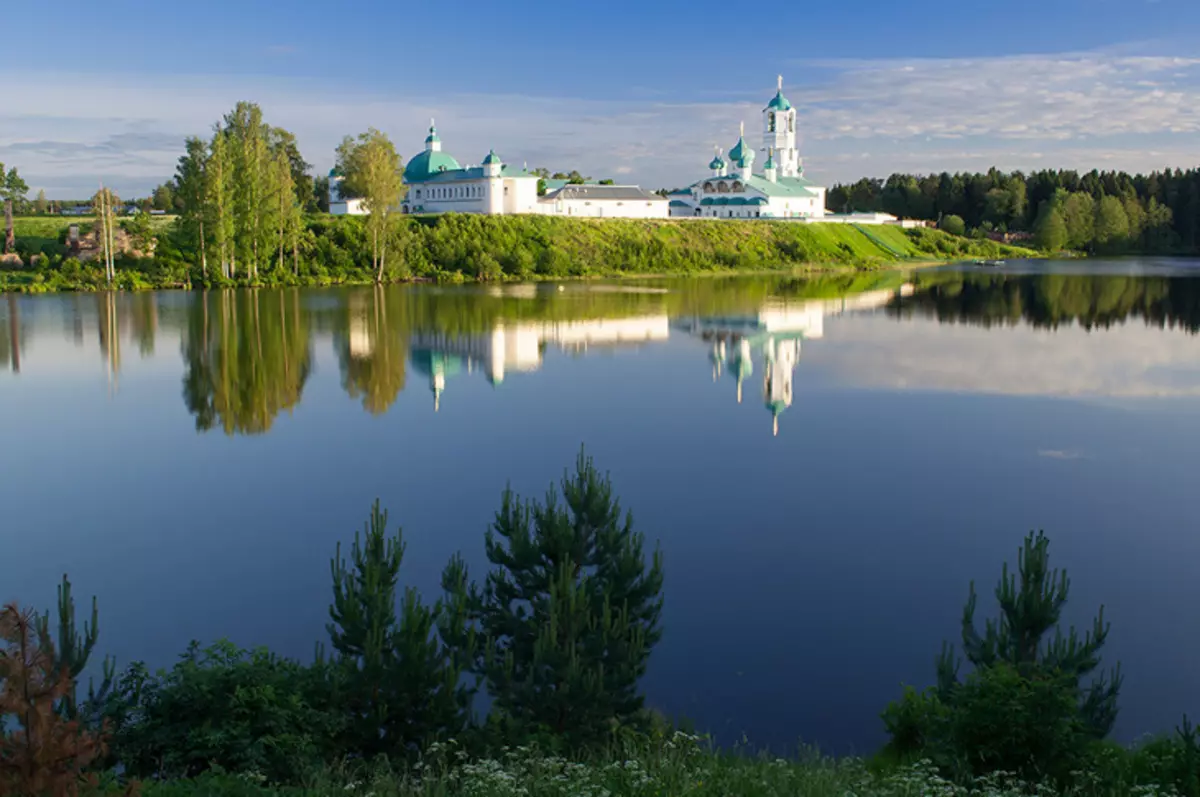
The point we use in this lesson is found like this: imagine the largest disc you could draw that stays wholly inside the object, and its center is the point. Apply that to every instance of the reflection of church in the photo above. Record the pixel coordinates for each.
(775, 333)
(520, 347)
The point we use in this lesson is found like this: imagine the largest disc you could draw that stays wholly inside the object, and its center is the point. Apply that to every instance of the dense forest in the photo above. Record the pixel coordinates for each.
(1094, 212)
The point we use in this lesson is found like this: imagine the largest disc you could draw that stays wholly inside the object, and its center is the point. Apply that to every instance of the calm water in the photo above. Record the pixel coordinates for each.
(826, 465)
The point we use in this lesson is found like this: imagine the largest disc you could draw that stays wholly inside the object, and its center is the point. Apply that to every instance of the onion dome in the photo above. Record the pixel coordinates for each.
(491, 158)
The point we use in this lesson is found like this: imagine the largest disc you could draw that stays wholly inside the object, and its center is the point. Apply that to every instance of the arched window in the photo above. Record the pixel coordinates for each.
(770, 121)
(708, 188)
(737, 185)
(722, 188)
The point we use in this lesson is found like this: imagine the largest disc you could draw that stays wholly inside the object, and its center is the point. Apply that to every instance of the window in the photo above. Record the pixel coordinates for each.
(737, 185)
(708, 188)
(722, 188)
(771, 122)
(791, 121)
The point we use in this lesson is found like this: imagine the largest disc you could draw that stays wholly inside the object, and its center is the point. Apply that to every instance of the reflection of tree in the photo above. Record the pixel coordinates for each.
(144, 320)
(372, 348)
(10, 336)
(108, 320)
(247, 358)
(1048, 300)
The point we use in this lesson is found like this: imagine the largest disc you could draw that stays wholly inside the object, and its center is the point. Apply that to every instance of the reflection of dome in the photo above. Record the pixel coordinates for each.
(428, 163)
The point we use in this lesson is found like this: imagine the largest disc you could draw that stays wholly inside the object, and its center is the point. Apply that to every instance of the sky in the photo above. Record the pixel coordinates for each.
(637, 91)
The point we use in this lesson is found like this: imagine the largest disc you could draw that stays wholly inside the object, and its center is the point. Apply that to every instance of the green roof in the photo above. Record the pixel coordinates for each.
(716, 163)
(747, 159)
(428, 164)
(473, 173)
(491, 158)
(770, 164)
(779, 102)
(784, 186)
(336, 172)
(739, 150)
(433, 136)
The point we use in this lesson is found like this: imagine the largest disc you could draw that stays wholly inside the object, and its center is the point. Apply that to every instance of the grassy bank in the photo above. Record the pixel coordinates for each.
(451, 248)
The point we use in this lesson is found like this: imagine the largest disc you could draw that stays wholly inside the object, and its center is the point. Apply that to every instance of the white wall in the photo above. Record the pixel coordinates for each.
(465, 196)
(607, 208)
(351, 207)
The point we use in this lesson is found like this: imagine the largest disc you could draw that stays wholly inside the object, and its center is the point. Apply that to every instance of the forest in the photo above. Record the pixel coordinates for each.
(1096, 212)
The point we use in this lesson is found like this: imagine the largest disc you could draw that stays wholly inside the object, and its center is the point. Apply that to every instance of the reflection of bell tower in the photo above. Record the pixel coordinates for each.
(781, 358)
(717, 356)
(742, 366)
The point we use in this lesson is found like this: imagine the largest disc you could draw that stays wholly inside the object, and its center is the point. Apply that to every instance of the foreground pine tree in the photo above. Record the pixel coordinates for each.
(1031, 604)
(569, 612)
(400, 687)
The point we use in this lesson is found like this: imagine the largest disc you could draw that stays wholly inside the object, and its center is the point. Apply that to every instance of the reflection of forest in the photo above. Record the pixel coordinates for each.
(247, 356)
(1048, 300)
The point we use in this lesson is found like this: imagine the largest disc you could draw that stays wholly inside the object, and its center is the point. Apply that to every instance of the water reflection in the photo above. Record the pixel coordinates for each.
(247, 356)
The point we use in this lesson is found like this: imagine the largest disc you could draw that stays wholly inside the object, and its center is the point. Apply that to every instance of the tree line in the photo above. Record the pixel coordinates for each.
(1094, 211)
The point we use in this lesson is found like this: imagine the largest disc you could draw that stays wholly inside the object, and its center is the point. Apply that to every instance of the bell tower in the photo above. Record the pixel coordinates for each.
(779, 133)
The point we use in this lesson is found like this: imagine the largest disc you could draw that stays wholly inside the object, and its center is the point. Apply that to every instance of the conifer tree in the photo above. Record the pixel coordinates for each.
(1031, 603)
(402, 690)
(73, 651)
(570, 610)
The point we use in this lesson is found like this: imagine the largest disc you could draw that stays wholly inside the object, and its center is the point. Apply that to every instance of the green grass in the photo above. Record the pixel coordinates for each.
(679, 766)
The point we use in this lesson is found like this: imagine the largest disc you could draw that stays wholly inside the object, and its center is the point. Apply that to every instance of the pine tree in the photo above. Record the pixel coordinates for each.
(73, 652)
(570, 610)
(402, 688)
(1030, 607)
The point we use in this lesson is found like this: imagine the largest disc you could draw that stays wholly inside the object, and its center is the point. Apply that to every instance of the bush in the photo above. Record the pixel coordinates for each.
(953, 225)
(241, 711)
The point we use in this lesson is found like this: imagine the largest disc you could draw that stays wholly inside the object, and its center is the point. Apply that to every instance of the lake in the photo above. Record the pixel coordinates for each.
(826, 464)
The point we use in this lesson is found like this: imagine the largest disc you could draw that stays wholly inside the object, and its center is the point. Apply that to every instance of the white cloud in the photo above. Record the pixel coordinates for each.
(867, 117)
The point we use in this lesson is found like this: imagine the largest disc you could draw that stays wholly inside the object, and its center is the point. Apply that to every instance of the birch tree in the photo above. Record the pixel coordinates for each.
(104, 204)
(191, 179)
(219, 202)
(372, 170)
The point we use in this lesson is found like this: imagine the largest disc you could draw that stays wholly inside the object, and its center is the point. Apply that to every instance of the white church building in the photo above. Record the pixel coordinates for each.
(436, 183)
(734, 190)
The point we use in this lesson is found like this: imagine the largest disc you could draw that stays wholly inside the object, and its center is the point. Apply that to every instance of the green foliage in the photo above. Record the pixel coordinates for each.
(401, 689)
(1024, 708)
(141, 231)
(225, 708)
(953, 224)
(570, 611)
(1050, 230)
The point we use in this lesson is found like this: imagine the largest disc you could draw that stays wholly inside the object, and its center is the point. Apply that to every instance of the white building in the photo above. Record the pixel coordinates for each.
(735, 191)
(604, 201)
(436, 183)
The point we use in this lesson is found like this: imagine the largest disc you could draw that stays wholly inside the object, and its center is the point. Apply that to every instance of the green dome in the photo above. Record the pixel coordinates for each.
(491, 158)
(747, 159)
(428, 163)
(336, 172)
(433, 136)
(716, 163)
(770, 164)
(739, 150)
(779, 102)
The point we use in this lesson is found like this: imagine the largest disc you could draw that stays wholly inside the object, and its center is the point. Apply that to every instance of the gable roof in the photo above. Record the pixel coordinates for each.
(604, 192)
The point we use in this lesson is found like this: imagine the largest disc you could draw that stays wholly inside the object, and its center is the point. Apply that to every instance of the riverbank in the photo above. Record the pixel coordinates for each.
(462, 248)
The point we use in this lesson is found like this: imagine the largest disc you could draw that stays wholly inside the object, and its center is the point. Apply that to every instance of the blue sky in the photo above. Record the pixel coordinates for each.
(636, 91)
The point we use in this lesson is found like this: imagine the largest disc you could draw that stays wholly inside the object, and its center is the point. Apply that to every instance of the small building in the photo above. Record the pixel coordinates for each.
(339, 204)
(438, 184)
(604, 201)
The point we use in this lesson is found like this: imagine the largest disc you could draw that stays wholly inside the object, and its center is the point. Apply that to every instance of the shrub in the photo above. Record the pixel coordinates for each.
(953, 225)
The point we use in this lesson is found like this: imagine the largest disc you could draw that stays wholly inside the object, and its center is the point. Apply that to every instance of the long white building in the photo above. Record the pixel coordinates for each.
(734, 190)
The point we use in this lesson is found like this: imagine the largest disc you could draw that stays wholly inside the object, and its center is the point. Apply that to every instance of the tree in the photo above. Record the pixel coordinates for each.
(140, 229)
(218, 204)
(104, 205)
(953, 224)
(402, 690)
(570, 609)
(48, 753)
(1031, 605)
(40, 205)
(1112, 224)
(192, 192)
(1079, 216)
(12, 189)
(1050, 231)
(73, 651)
(372, 170)
(163, 197)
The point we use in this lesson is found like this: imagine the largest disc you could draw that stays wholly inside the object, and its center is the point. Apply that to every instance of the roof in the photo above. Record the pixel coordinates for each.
(679, 203)
(784, 186)
(716, 163)
(427, 164)
(779, 102)
(682, 191)
(604, 192)
(739, 150)
(433, 136)
(472, 173)
(491, 158)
